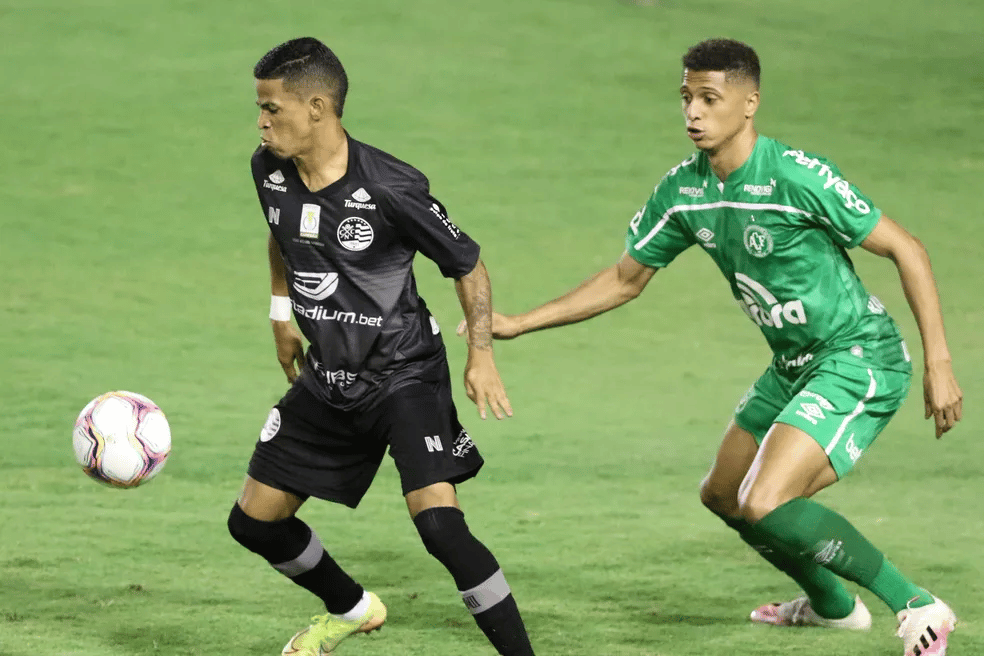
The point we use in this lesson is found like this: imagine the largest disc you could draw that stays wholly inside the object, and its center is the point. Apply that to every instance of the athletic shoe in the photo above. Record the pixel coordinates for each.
(798, 612)
(924, 630)
(321, 638)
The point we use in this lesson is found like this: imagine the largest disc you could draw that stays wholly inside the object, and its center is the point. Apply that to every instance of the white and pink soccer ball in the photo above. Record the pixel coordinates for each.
(121, 439)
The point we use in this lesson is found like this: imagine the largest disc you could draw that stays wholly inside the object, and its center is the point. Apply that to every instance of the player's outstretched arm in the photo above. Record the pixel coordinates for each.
(604, 291)
(941, 393)
(482, 381)
(290, 348)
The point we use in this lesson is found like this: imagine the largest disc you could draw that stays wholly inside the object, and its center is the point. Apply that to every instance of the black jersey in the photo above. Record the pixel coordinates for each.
(348, 251)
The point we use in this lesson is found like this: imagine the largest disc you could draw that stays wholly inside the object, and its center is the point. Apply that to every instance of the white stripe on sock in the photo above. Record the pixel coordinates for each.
(487, 594)
(307, 561)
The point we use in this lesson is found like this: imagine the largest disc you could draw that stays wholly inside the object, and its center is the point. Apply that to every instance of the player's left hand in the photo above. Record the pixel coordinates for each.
(942, 396)
(484, 386)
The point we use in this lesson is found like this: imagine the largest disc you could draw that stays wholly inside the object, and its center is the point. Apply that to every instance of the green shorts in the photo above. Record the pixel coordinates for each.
(839, 404)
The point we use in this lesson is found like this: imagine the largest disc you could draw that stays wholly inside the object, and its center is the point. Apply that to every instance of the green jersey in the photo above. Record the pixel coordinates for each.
(778, 228)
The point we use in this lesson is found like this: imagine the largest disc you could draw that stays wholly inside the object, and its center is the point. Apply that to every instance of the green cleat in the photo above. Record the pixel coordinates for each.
(321, 638)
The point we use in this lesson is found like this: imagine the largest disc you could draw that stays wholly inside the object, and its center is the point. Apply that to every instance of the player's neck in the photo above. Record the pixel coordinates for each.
(731, 155)
(326, 161)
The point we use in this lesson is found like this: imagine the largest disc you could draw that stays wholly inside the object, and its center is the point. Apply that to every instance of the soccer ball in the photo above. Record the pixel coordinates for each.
(121, 439)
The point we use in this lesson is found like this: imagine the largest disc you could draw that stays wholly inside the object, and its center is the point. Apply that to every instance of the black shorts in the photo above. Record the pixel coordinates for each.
(311, 449)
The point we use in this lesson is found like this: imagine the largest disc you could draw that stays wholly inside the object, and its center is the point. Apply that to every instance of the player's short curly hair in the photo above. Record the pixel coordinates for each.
(305, 62)
(736, 59)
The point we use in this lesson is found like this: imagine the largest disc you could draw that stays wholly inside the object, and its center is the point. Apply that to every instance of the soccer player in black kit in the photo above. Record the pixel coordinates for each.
(345, 222)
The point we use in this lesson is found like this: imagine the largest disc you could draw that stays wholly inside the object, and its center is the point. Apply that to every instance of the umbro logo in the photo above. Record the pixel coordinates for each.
(706, 236)
(275, 181)
(361, 197)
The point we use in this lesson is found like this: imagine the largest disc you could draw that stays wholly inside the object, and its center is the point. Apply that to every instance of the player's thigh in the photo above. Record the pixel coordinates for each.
(427, 443)
(436, 495)
(788, 464)
(754, 415)
(266, 503)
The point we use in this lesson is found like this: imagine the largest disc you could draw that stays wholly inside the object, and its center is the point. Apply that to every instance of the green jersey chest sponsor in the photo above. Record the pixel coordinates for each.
(778, 229)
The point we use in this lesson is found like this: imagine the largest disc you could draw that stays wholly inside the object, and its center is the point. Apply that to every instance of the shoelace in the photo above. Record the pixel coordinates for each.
(799, 611)
(903, 626)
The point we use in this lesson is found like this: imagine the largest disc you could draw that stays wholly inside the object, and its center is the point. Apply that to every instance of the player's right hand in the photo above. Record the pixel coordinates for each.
(504, 326)
(942, 396)
(290, 348)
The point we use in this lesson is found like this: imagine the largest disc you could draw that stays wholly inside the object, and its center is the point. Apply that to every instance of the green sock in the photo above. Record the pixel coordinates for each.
(816, 532)
(896, 590)
(828, 596)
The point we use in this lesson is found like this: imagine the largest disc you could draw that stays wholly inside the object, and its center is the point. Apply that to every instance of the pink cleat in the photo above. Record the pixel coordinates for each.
(798, 612)
(924, 630)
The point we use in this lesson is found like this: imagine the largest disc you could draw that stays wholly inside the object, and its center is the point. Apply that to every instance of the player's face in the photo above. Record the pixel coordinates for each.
(715, 109)
(285, 120)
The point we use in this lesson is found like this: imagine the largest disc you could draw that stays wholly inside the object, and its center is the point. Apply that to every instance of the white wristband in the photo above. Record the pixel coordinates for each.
(280, 308)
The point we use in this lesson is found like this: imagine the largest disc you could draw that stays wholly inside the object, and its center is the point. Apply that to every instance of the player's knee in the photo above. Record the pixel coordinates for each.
(756, 503)
(251, 533)
(241, 526)
(441, 529)
(718, 501)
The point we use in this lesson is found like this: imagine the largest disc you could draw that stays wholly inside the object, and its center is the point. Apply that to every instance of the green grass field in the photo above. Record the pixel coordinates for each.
(133, 257)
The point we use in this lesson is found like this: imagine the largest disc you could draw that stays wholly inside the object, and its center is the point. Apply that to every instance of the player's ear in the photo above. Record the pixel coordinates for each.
(320, 107)
(751, 103)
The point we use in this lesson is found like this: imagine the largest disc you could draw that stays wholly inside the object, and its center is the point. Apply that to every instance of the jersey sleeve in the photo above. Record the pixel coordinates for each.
(654, 237)
(424, 223)
(835, 204)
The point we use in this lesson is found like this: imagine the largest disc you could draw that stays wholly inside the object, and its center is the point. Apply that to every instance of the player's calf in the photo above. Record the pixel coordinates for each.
(294, 550)
(478, 577)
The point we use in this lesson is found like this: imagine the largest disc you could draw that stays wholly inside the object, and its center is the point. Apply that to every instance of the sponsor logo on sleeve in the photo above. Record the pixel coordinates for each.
(840, 185)
(636, 220)
(440, 214)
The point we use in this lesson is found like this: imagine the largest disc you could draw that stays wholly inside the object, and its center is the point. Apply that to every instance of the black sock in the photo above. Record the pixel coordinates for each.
(295, 551)
(478, 577)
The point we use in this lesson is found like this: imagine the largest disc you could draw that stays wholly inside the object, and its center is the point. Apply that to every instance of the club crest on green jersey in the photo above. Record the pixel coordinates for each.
(758, 240)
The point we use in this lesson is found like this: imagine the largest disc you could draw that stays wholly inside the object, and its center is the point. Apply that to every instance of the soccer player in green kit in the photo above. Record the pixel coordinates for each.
(778, 223)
